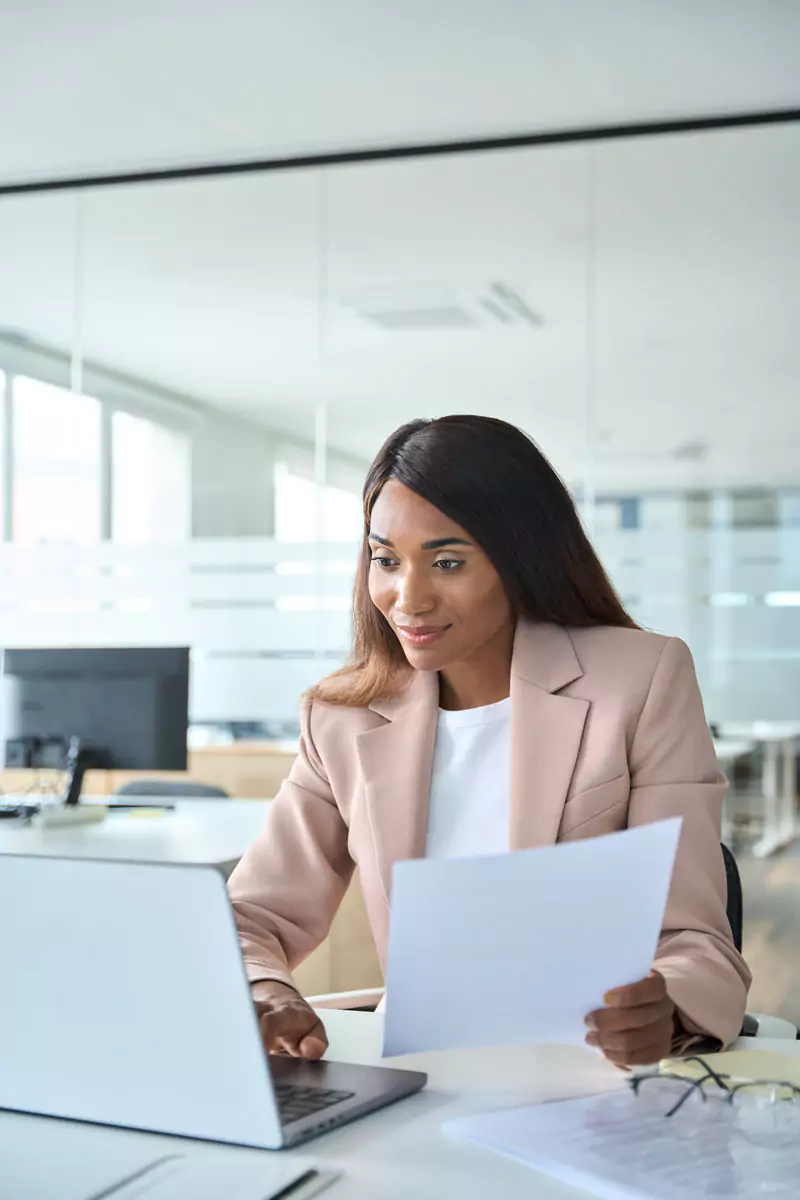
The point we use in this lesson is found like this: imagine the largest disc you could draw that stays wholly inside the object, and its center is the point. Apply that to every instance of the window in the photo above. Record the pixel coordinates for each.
(56, 478)
(150, 482)
(296, 510)
(2, 456)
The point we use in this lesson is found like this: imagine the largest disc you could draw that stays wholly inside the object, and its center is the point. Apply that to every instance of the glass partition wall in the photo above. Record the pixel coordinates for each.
(217, 361)
(196, 375)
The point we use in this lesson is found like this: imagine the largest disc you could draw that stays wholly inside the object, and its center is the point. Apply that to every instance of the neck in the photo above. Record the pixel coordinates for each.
(484, 678)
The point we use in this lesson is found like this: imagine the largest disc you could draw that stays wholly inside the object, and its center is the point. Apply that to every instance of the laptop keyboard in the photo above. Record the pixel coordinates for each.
(296, 1101)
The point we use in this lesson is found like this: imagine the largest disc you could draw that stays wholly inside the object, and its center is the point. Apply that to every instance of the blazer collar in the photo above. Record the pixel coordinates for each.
(546, 730)
(544, 655)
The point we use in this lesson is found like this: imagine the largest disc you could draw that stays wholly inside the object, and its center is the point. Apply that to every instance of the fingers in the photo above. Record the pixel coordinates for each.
(272, 1035)
(637, 1026)
(645, 1057)
(645, 991)
(313, 1046)
(633, 1040)
(295, 1032)
(612, 1020)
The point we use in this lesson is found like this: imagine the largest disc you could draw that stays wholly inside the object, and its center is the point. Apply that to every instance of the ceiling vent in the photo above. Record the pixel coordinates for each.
(414, 309)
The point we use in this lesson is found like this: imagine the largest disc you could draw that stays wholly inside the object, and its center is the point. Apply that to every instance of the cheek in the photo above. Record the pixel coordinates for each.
(482, 601)
(481, 611)
(380, 592)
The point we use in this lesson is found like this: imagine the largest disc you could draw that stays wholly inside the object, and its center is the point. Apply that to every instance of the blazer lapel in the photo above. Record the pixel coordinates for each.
(546, 732)
(396, 763)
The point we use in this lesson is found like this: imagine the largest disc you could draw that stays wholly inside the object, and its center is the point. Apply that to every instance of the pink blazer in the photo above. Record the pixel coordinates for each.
(607, 731)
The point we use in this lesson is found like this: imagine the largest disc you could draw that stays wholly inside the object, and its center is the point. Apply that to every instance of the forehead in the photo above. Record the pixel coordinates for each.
(401, 513)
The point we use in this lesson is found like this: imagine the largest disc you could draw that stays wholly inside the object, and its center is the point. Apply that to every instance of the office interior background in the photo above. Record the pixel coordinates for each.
(195, 372)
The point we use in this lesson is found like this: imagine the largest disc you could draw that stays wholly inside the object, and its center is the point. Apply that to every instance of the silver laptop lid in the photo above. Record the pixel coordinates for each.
(124, 1000)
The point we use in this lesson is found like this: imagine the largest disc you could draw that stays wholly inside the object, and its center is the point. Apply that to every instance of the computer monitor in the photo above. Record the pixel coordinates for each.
(116, 709)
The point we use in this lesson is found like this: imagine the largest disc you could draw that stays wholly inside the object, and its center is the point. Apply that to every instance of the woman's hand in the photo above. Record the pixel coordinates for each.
(638, 1024)
(288, 1025)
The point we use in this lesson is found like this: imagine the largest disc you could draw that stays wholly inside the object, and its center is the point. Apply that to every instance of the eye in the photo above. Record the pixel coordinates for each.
(383, 562)
(448, 564)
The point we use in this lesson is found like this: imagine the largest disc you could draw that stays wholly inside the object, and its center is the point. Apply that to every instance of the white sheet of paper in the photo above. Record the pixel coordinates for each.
(622, 1147)
(517, 948)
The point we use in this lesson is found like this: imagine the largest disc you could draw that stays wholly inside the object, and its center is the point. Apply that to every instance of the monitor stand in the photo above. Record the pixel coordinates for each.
(79, 759)
(70, 811)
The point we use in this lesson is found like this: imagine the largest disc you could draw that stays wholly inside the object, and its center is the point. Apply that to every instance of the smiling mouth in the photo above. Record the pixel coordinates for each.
(422, 635)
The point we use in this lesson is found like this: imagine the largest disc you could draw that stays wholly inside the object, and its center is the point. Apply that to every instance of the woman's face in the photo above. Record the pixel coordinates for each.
(433, 584)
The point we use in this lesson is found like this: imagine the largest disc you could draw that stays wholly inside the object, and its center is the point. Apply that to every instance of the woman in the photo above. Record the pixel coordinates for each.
(499, 697)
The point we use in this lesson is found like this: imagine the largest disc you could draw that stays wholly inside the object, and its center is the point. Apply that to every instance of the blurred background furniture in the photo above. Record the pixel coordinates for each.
(247, 770)
(779, 741)
(167, 789)
(729, 750)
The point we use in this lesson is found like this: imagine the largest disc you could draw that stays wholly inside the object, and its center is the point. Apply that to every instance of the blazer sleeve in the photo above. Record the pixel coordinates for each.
(287, 887)
(674, 773)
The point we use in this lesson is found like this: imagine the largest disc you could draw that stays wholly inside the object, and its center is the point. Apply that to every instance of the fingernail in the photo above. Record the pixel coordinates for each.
(591, 1039)
(590, 1022)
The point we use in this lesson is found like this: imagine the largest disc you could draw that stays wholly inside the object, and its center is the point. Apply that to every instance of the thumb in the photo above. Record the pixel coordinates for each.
(312, 1046)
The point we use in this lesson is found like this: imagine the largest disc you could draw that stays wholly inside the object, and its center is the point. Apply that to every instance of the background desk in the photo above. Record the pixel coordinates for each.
(779, 780)
(214, 833)
(728, 750)
(401, 1152)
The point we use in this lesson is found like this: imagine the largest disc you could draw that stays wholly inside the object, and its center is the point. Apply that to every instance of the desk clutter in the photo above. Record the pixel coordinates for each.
(663, 1138)
(51, 815)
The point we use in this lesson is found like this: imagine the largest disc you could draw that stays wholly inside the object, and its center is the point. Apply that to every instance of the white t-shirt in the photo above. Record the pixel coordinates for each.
(468, 811)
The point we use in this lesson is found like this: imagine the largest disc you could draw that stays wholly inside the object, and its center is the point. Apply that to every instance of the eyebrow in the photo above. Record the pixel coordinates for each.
(437, 544)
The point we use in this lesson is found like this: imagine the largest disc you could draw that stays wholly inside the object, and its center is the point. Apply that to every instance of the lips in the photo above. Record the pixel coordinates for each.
(421, 636)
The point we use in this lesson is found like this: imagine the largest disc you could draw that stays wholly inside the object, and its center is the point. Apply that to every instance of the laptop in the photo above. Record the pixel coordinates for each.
(125, 1002)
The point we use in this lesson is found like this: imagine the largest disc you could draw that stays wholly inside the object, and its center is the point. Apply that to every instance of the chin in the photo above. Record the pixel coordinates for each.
(432, 659)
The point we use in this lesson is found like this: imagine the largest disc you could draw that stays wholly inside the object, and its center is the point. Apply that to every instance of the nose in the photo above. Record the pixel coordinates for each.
(414, 593)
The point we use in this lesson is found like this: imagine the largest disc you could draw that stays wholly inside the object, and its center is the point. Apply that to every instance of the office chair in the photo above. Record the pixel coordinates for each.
(183, 788)
(735, 904)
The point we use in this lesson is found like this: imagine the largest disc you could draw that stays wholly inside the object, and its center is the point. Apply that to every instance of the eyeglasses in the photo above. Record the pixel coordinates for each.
(767, 1110)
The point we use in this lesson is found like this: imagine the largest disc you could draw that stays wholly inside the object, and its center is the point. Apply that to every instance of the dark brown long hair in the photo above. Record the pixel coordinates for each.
(492, 480)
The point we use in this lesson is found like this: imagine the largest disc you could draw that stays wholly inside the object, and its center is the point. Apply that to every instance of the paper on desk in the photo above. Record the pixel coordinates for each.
(518, 948)
(623, 1147)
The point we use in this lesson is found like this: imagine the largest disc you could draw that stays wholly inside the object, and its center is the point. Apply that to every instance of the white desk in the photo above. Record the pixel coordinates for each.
(401, 1152)
(779, 784)
(212, 832)
(727, 751)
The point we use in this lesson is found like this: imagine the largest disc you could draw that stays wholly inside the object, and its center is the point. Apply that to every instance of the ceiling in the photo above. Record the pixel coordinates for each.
(664, 270)
(94, 86)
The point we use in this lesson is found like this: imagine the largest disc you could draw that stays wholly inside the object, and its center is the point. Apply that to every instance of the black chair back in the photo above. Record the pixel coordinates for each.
(734, 905)
(179, 789)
